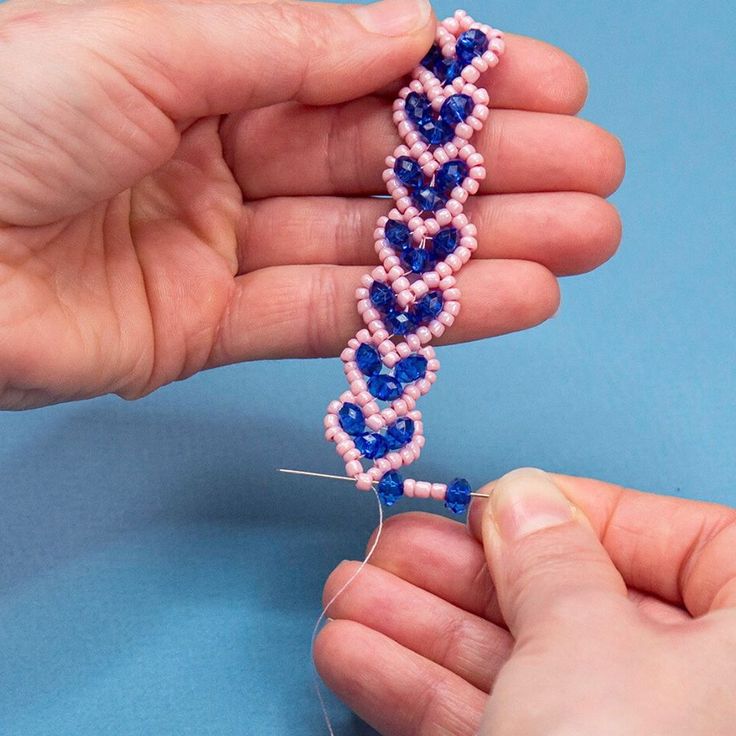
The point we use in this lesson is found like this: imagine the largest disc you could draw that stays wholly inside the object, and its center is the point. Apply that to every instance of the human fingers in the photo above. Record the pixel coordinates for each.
(309, 311)
(567, 232)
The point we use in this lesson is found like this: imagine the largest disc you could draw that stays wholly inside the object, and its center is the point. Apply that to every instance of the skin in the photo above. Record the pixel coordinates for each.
(580, 606)
(189, 184)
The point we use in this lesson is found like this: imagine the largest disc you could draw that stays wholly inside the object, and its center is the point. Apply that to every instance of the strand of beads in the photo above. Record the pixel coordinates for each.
(412, 297)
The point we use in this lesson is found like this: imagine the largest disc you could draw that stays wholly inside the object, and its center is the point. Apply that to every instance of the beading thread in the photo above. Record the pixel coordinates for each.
(412, 297)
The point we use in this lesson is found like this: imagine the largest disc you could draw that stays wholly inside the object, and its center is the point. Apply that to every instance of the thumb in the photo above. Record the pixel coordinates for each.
(98, 88)
(545, 559)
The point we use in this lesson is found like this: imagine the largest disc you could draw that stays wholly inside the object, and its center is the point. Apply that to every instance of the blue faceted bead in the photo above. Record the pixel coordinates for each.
(368, 360)
(429, 306)
(382, 295)
(400, 323)
(397, 233)
(400, 433)
(371, 446)
(390, 488)
(448, 69)
(433, 57)
(408, 172)
(458, 496)
(417, 260)
(445, 242)
(451, 175)
(351, 419)
(411, 368)
(428, 199)
(456, 109)
(417, 107)
(435, 132)
(471, 44)
(384, 387)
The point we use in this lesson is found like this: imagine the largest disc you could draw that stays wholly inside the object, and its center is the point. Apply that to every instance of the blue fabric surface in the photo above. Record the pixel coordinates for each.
(158, 577)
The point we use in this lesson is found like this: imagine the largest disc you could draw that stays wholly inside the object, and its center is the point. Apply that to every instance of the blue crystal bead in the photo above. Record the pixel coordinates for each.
(384, 387)
(382, 295)
(433, 58)
(400, 323)
(428, 199)
(351, 419)
(429, 306)
(411, 368)
(417, 107)
(371, 446)
(368, 360)
(435, 132)
(448, 69)
(458, 496)
(471, 44)
(445, 242)
(408, 172)
(451, 175)
(456, 109)
(390, 488)
(397, 233)
(417, 260)
(400, 433)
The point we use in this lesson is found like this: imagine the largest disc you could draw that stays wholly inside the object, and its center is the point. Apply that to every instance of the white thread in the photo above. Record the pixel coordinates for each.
(331, 601)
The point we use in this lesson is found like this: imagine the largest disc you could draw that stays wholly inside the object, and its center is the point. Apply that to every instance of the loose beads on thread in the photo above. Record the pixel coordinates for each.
(412, 297)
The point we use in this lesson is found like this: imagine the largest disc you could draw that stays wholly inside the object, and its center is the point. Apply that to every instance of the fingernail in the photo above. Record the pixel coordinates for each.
(393, 17)
(526, 501)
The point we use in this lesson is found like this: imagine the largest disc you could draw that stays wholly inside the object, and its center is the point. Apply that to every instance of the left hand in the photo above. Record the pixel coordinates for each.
(422, 635)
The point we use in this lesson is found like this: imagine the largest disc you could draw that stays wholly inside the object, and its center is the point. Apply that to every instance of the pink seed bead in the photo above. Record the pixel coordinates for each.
(459, 194)
(395, 459)
(438, 491)
(353, 454)
(403, 350)
(363, 482)
(444, 216)
(371, 408)
(452, 294)
(377, 274)
(413, 342)
(433, 226)
(386, 347)
(424, 334)
(469, 231)
(454, 207)
(446, 319)
(433, 365)
(475, 159)
(463, 253)
(415, 222)
(420, 440)
(443, 271)
(471, 186)
(410, 403)
(436, 328)
(431, 376)
(470, 243)
(383, 465)
(407, 455)
(390, 360)
(454, 262)
(344, 446)
(418, 427)
(424, 385)
(409, 485)
(400, 407)
(353, 376)
(412, 391)
(396, 272)
(378, 337)
(353, 468)
(463, 130)
(400, 284)
(331, 420)
(389, 415)
(390, 261)
(460, 221)
(441, 156)
(375, 473)
(403, 204)
(422, 489)
(429, 352)
(448, 283)
(362, 399)
(452, 308)
(419, 288)
(345, 396)
(362, 336)
(330, 433)
(432, 279)
(375, 325)
(375, 422)
(371, 315)
(362, 293)
(478, 172)
(334, 407)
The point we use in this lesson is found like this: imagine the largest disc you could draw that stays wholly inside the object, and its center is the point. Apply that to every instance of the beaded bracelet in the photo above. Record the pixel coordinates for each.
(422, 244)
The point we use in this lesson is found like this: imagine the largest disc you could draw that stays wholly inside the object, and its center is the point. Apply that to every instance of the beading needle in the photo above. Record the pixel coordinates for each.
(345, 477)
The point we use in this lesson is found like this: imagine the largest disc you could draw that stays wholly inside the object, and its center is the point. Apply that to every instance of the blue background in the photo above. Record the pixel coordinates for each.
(158, 577)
